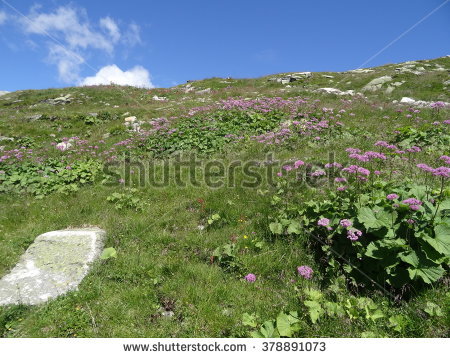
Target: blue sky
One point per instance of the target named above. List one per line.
(56, 43)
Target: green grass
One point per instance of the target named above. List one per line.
(164, 261)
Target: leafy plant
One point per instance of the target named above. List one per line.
(51, 176)
(126, 200)
(108, 253)
(387, 241)
(285, 325)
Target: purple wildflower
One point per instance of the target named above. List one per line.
(392, 196)
(412, 201)
(323, 222)
(424, 167)
(353, 234)
(345, 223)
(442, 172)
(305, 271)
(250, 277)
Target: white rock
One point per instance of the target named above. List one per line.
(302, 74)
(130, 119)
(337, 91)
(376, 83)
(63, 146)
(419, 103)
(55, 263)
(206, 90)
(362, 70)
(156, 98)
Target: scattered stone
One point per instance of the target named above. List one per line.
(59, 100)
(283, 80)
(327, 76)
(167, 314)
(130, 119)
(376, 83)
(2, 138)
(53, 265)
(392, 86)
(361, 70)
(63, 146)
(338, 91)
(418, 103)
(205, 91)
(300, 75)
(34, 117)
(156, 98)
(2, 93)
(133, 124)
(188, 88)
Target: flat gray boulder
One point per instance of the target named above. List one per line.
(377, 83)
(55, 263)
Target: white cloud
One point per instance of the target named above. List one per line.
(68, 24)
(137, 76)
(132, 36)
(3, 17)
(72, 37)
(110, 25)
(67, 62)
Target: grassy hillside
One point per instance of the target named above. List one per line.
(280, 165)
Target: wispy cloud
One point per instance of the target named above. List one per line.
(132, 36)
(137, 76)
(71, 38)
(3, 17)
(111, 27)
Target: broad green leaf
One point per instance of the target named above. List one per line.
(249, 320)
(441, 242)
(433, 309)
(398, 322)
(313, 294)
(444, 205)
(427, 274)
(108, 253)
(268, 330)
(334, 309)
(284, 325)
(276, 228)
(410, 258)
(376, 218)
(315, 310)
(294, 228)
(384, 249)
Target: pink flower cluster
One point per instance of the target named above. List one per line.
(305, 271)
(354, 234)
(354, 169)
(250, 277)
(440, 171)
(414, 204)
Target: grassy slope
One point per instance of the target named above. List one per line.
(163, 258)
